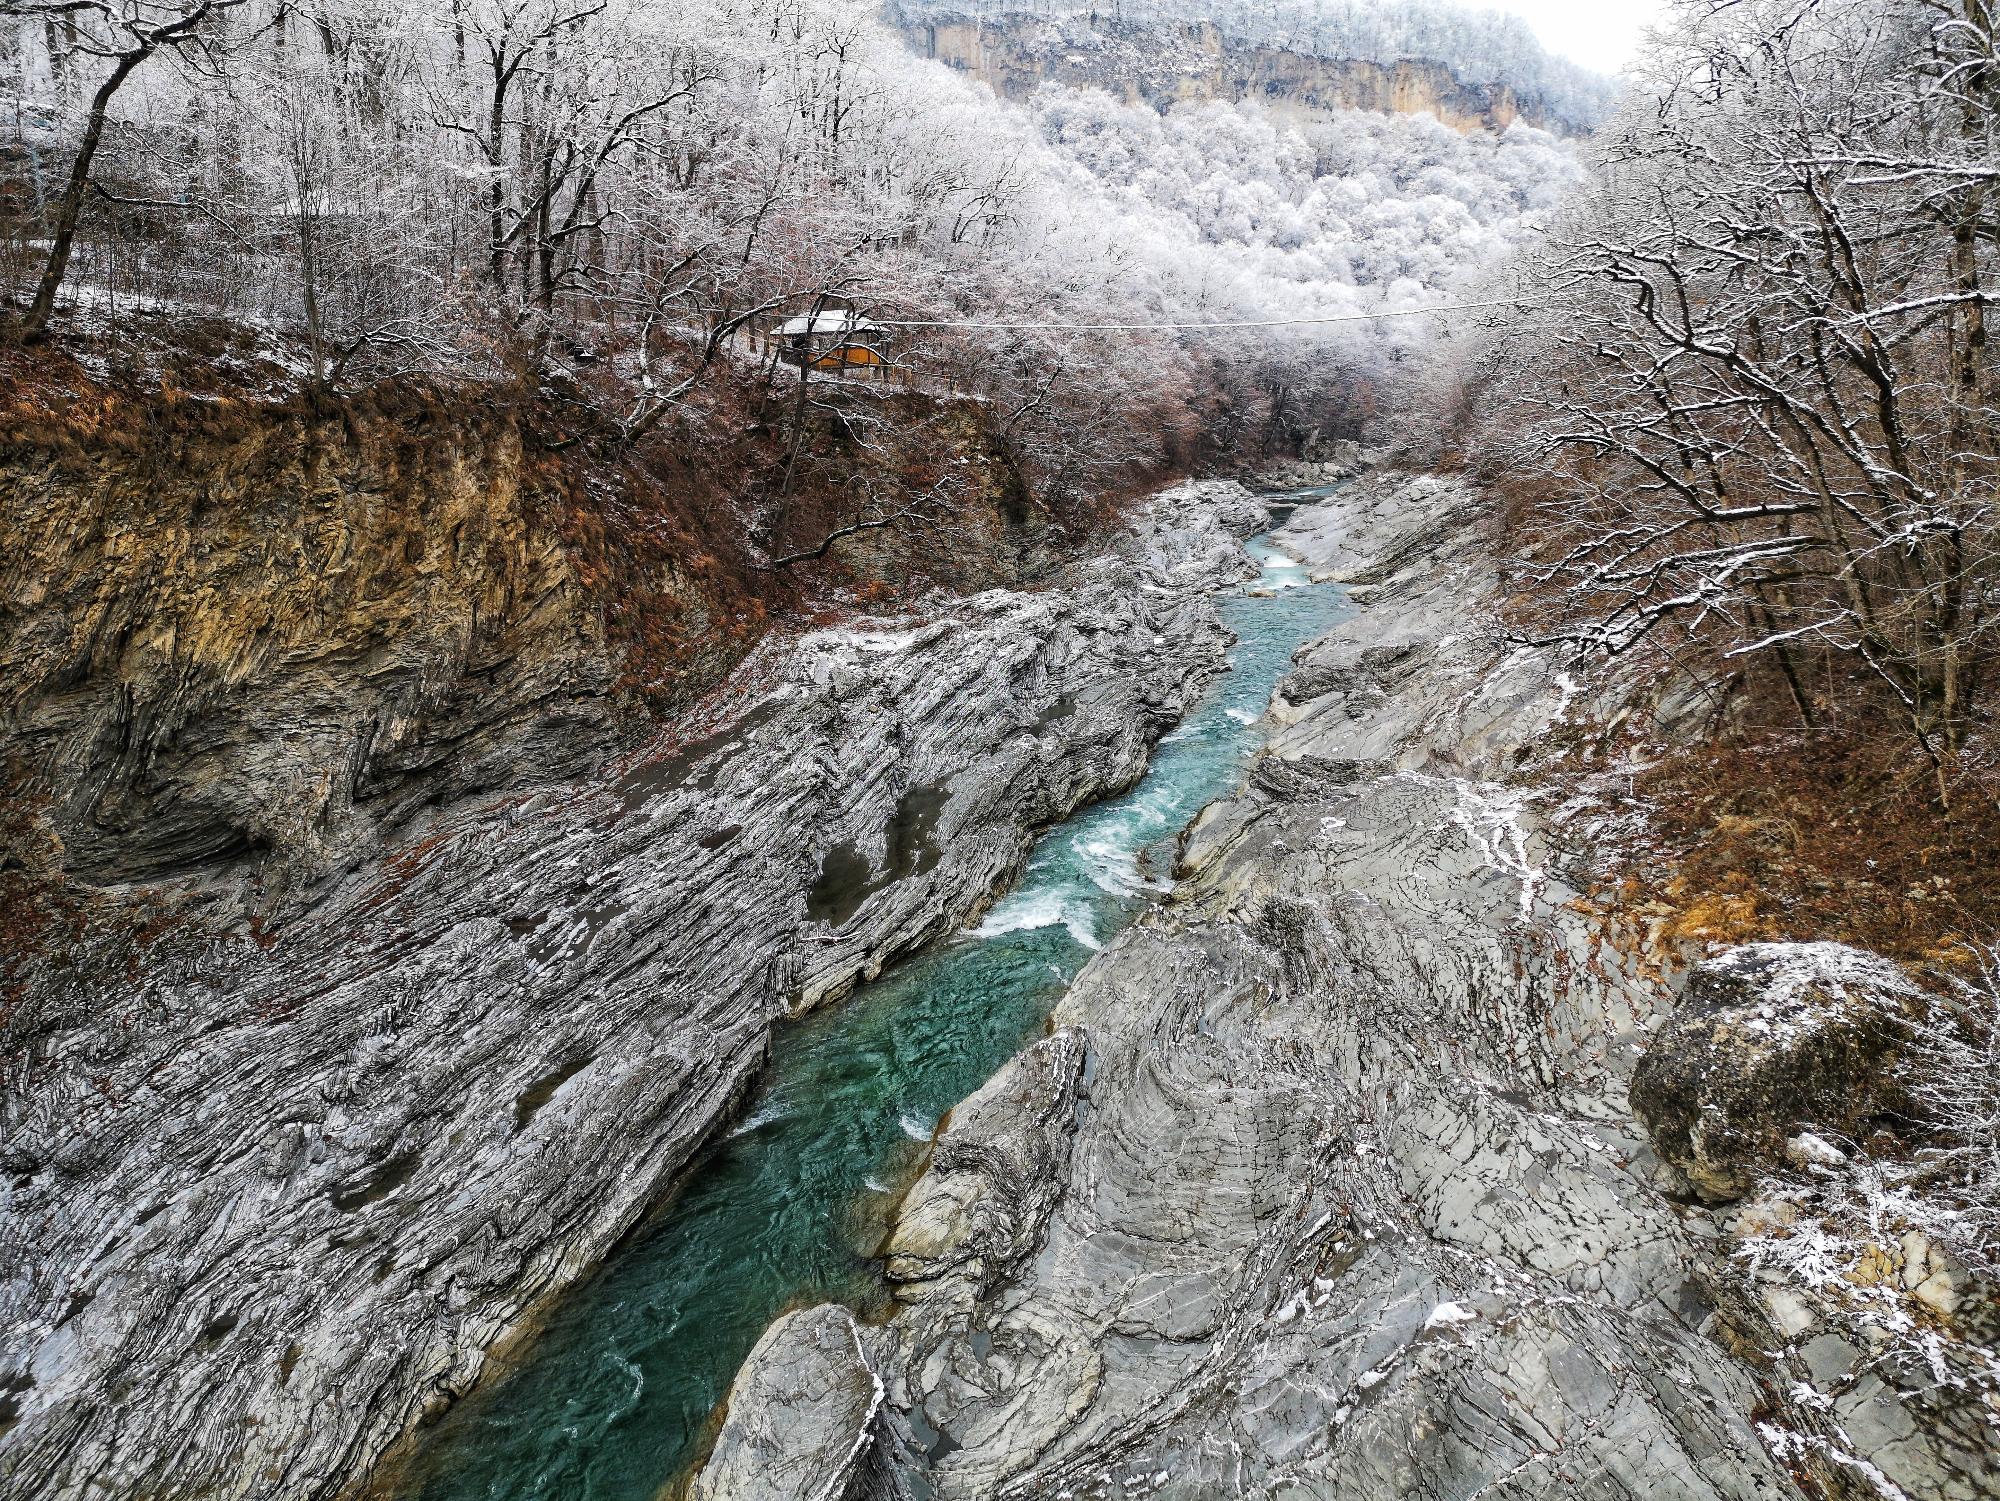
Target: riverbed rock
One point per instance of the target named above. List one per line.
(993, 1171)
(1353, 1206)
(272, 1199)
(801, 1418)
(1771, 1040)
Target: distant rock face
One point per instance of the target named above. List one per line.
(1196, 63)
(1770, 1041)
(266, 1204)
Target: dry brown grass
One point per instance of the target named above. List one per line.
(1831, 834)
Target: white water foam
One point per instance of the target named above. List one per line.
(1110, 862)
(916, 1127)
(1026, 910)
(774, 1111)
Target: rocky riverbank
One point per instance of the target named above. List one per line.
(269, 1205)
(1327, 1181)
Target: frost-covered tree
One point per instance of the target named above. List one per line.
(1764, 370)
(603, 198)
(106, 41)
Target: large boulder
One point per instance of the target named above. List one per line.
(1771, 1040)
(801, 1418)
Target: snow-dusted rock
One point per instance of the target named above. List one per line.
(264, 1208)
(1769, 1039)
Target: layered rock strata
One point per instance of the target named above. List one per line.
(265, 1207)
(1325, 1182)
(1167, 65)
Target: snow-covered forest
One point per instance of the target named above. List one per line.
(615, 190)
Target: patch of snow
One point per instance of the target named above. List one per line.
(1447, 1314)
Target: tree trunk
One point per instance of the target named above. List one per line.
(309, 292)
(70, 209)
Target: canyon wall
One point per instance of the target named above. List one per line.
(1163, 66)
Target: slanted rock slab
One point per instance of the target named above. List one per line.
(801, 1420)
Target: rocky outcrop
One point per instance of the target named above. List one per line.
(801, 1422)
(1162, 65)
(993, 1173)
(247, 640)
(1781, 1088)
(236, 640)
(1772, 1045)
(1318, 466)
(270, 1202)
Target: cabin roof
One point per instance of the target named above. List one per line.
(835, 321)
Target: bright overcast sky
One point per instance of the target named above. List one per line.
(1600, 34)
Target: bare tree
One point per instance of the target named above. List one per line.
(1763, 373)
(122, 35)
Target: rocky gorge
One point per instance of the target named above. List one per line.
(1377, 1157)
(270, 1204)
(1378, 1162)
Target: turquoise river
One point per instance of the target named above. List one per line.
(615, 1398)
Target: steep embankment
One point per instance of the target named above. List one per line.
(265, 1207)
(1326, 1182)
(1165, 65)
(244, 639)
(236, 634)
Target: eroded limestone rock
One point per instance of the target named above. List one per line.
(270, 1201)
(1353, 1207)
(801, 1419)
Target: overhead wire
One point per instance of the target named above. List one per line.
(1414, 312)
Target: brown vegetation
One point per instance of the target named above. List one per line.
(1772, 834)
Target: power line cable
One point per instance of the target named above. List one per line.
(1414, 312)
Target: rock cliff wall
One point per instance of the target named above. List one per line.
(231, 637)
(1162, 66)
(243, 642)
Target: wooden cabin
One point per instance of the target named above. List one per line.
(853, 356)
(836, 339)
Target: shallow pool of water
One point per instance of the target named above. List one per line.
(615, 1398)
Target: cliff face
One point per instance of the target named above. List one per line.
(243, 642)
(231, 635)
(1162, 66)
